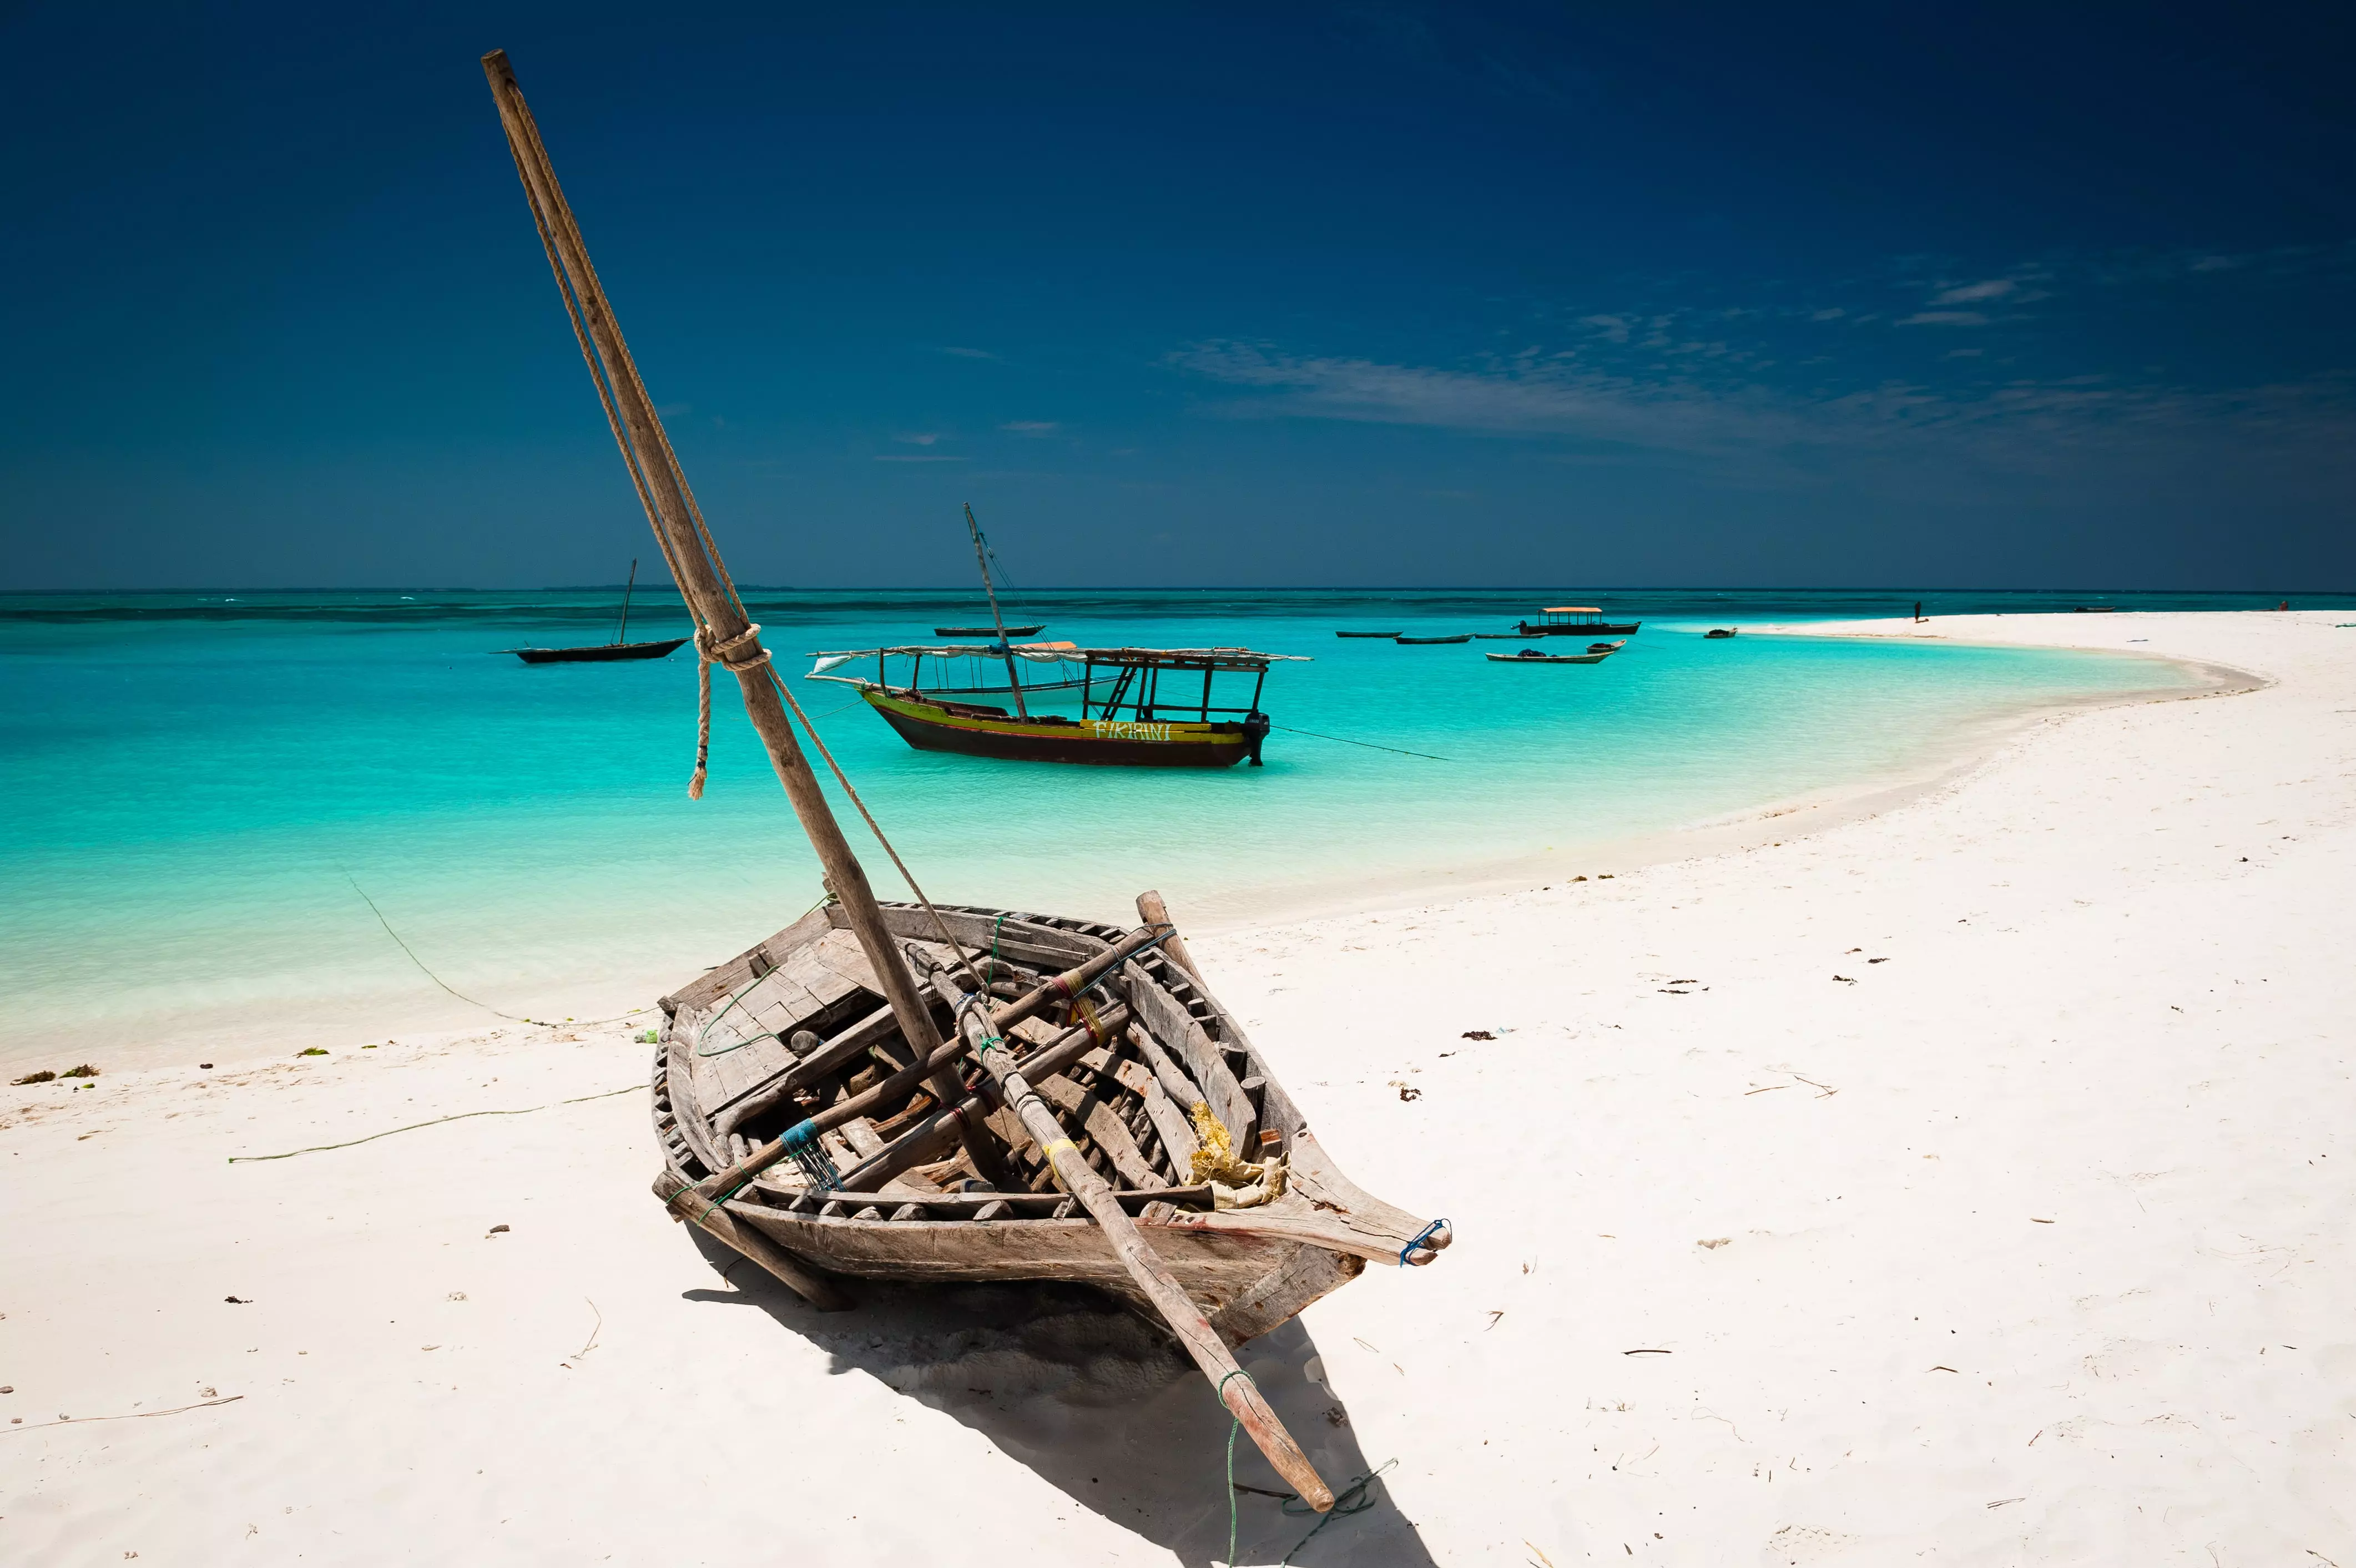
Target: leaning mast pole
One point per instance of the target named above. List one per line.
(981, 559)
(724, 635)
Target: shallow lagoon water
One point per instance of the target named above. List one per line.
(198, 785)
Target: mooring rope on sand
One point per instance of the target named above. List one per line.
(414, 1126)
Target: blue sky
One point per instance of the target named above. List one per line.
(1348, 295)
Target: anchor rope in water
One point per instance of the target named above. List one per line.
(1369, 744)
(510, 1017)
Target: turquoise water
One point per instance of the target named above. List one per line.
(196, 784)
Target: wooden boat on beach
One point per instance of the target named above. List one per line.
(1575, 620)
(1597, 652)
(1155, 1067)
(603, 652)
(1066, 1065)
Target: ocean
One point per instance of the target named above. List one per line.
(206, 791)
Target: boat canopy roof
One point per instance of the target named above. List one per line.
(1573, 610)
(1067, 652)
(1190, 658)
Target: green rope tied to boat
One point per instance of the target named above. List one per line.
(1355, 1497)
(1237, 1427)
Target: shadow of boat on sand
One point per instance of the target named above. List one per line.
(1105, 1407)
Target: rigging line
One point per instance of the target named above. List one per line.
(414, 1126)
(876, 828)
(1367, 743)
(512, 1017)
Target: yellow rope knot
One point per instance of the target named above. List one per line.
(709, 652)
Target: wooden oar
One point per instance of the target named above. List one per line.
(1236, 1390)
(928, 1140)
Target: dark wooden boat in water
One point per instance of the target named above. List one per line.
(1597, 652)
(1154, 1068)
(1719, 631)
(1127, 717)
(1381, 634)
(1432, 642)
(1004, 1113)
(603, 652)
(982, 555)
(1575, 620)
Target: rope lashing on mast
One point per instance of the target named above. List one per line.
(707, 654)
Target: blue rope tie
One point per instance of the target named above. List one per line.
(1425, 1235)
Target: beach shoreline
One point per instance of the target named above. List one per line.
(391, 993)
(1967, 1175)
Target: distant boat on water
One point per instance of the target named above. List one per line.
(1720, 631)
(603, 652)
(1381, 634)
(1432, 642)
(1570, 620)
(1597, 652)
(997, 627)
(1030, 630)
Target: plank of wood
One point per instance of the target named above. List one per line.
(1170, 1124)
(859, 1134)
(1089, 1109)
(1170, 1024)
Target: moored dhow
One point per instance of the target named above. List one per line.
(1138, 707)
(1575, 620)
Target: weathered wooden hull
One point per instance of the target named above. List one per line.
(1104, 743)
(1250, 1269)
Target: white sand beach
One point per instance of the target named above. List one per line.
(1969, 1181)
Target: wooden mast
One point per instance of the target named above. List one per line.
(981, 559)
(725, 634)
(622, 634)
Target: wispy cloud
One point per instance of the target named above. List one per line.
(1031, 426)
(919, 439)
(967, 353)
(2021, 424)
(917, 457)
(1944, 319)
(1965, 294)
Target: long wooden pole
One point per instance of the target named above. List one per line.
(1236, 1392)
(623, 634)
(981, 559)
(726, 636)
